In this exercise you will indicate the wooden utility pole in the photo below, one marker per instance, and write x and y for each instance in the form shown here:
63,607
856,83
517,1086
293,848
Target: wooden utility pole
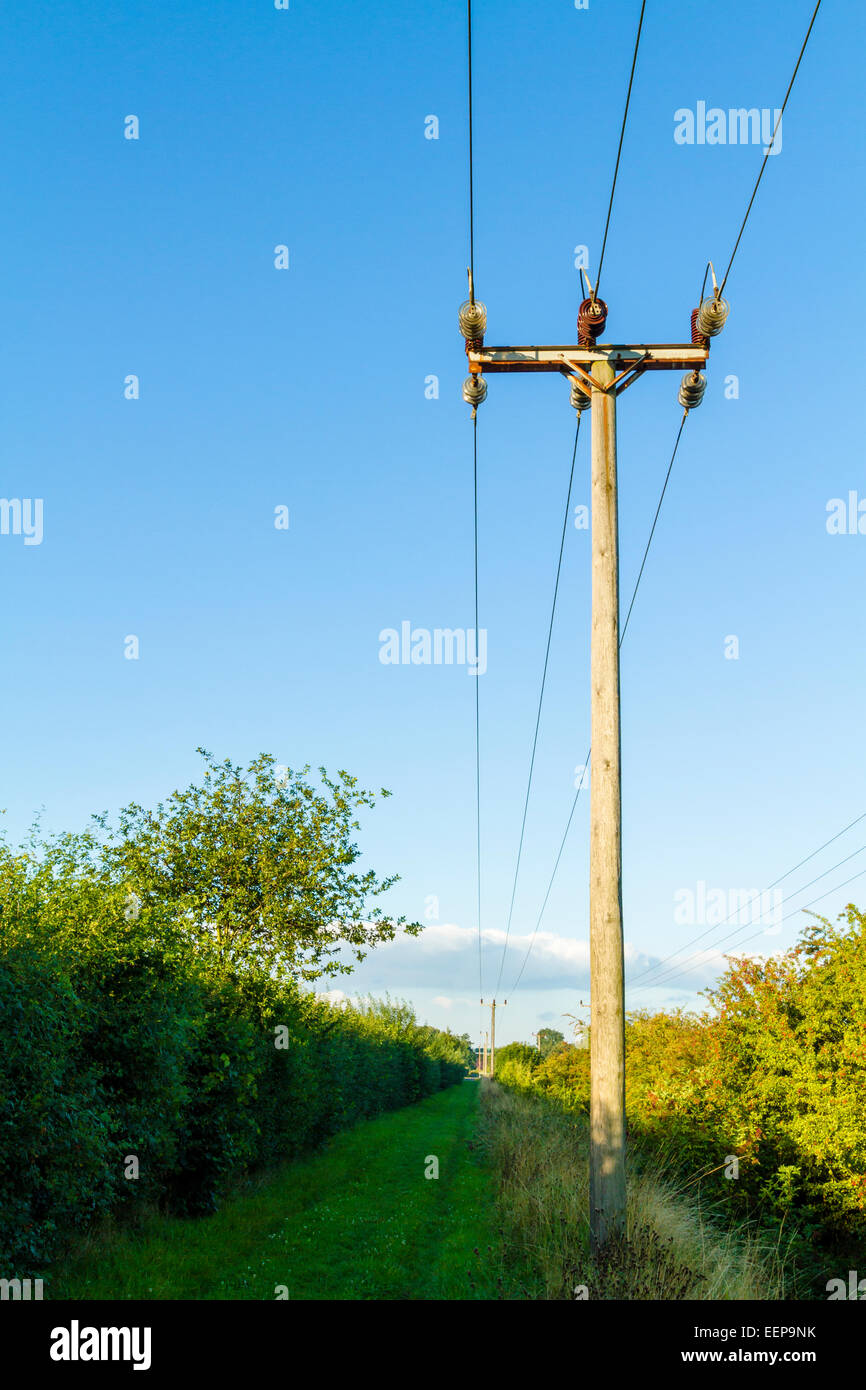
492,1008
607,1058
599,373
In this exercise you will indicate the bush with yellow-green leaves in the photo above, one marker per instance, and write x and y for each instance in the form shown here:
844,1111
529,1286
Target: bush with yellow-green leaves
773,1074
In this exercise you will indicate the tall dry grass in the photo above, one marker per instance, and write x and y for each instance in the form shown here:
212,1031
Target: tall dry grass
673,1249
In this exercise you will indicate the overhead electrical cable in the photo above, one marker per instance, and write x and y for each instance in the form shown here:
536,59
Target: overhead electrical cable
719,293
653,527
678,973
619,150
477,710
686,402
541,695
672,959
471,171
769,149
589,750
475,527
679,968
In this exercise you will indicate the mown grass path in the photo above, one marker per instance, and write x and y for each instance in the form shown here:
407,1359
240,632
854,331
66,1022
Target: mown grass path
358,1221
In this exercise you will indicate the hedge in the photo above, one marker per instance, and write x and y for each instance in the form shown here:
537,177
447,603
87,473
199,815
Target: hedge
120,1045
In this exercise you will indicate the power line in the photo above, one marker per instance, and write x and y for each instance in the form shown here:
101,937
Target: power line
670,466
619,150
831,840
475,517
679,968
540,698
553,875
477,707
769,149
653,527
673,956
658,508
589,750
818,877
677,973
631,605
471,190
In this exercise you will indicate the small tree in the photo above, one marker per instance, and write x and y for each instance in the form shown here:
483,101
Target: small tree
468,1053
548,1039
258,863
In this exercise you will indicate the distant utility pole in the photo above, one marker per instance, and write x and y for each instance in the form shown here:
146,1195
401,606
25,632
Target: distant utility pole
492,1007
600,372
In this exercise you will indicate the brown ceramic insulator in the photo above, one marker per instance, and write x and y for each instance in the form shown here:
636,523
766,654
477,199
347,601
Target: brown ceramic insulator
591,320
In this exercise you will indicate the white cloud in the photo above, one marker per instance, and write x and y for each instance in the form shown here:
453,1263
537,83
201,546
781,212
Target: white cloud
444,957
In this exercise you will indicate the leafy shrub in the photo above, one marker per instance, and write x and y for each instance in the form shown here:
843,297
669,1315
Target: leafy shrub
774,1074
122,1037
518,1052
564,1077
54,1126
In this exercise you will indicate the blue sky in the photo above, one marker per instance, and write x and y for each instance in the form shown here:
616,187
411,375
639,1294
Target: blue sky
306,388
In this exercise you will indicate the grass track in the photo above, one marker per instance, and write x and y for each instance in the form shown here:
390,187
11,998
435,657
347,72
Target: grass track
357,1221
